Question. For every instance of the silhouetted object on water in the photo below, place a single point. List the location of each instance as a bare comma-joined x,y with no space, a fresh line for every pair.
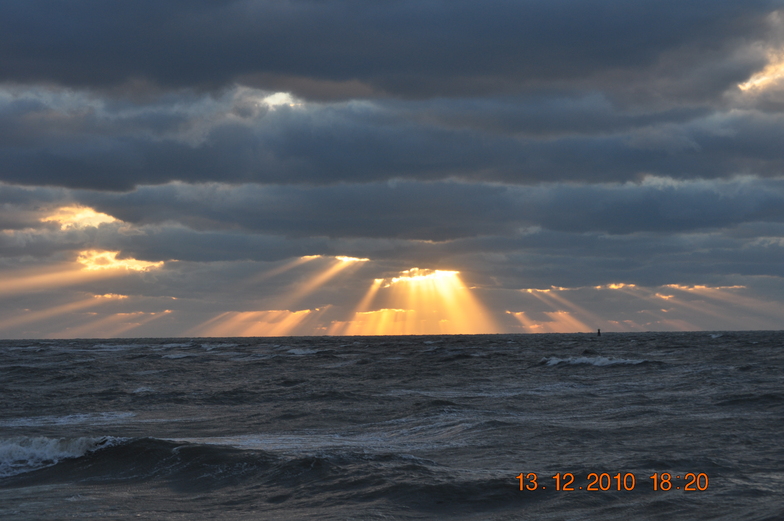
598,332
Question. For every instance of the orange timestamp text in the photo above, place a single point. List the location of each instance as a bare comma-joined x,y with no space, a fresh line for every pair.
664,481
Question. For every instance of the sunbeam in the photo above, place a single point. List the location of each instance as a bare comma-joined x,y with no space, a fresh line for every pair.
37,316
337,265
293,263
423,302
260,323
112,325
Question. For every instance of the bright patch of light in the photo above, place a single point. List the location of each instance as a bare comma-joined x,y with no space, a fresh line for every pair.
772,74
699,287
350,259
70,217
105,260
280,98
418,302
619,285
417,275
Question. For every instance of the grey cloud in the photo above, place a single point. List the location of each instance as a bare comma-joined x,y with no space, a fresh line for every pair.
437,211
409,48
565,259
451,210
546,115
534,257
65,139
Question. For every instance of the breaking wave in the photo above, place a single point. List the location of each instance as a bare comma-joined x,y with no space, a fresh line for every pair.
590,360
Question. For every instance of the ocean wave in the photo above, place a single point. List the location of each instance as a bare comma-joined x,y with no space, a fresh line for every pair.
327,477
599,361
300,352
23,454
94,418
753,399
209,347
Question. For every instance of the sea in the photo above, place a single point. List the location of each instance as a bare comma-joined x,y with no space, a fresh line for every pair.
622,426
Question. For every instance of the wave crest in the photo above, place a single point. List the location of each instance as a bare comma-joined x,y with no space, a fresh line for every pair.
23,454
590,360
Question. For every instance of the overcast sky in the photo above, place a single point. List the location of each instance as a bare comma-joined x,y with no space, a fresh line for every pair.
222,168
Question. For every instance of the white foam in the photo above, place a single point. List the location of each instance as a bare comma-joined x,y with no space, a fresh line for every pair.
302,351
23,454
210,347
590,360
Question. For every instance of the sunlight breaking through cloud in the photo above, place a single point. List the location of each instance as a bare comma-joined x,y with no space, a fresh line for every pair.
419,302
70,217
93,260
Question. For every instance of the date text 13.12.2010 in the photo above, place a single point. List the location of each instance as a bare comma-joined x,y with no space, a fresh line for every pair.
604,481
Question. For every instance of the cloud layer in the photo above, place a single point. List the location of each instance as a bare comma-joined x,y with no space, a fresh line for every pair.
526,144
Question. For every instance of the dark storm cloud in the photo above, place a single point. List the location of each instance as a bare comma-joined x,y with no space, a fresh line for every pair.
543,259
544,115
22,208
57,137
450,210
410,48
537,259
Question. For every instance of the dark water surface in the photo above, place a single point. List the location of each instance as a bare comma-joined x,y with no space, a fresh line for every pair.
393,427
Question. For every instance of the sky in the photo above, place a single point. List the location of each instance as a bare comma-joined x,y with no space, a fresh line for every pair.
343,167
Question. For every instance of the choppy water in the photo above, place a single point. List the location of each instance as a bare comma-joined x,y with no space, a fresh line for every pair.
392,427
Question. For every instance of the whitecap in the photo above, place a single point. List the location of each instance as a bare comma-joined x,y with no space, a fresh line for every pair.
590,360
302,351
23,454
210,347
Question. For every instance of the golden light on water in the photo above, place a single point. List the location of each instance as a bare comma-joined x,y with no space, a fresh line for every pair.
94,260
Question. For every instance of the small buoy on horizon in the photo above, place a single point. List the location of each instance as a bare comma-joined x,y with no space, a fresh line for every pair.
598,332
